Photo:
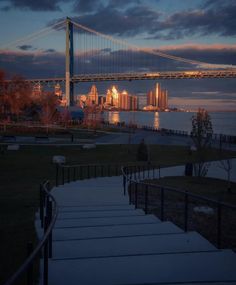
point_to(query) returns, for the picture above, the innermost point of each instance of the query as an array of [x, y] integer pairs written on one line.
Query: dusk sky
[[203, 30]]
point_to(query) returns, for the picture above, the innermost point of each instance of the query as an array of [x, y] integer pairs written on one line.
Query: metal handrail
[[72, 172], [173, 189], [129, 177], [43, 242]]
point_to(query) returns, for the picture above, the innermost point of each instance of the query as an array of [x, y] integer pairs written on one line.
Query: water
[[223, 122]]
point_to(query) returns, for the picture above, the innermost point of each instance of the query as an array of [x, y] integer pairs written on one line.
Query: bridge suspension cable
[[34, 36], [149, 51]]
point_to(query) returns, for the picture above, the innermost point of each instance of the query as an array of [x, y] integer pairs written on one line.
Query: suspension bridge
[[98, 57]]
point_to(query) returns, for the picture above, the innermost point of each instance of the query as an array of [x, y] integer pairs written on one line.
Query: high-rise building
[[150, 98], [157, 94], [57, 90], [112, 97], [115, 97], [124, 101], [109, 97], [37, 90], [133, 103], [163, 102], [158, 98], [93, 96]]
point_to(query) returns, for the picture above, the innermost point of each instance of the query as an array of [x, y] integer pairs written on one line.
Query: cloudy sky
[[203, 30]]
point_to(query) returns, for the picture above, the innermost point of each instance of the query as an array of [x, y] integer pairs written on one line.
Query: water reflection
[[114, 117], [156, 123]]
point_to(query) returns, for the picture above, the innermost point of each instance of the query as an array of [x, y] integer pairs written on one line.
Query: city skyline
[[200, 30]]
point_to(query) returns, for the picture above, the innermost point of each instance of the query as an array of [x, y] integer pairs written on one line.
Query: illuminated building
[[37, 90], [115, 97], [124, 101], [101, 100], [57, 90], [157, 98], [163, 100], [157, 94], [109, 97], [133, 103], [151, 98], [93, 96]]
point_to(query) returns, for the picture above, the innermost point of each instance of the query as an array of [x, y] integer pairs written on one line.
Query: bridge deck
[[199, 74]]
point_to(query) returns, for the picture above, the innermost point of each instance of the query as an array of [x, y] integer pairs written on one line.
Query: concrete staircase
[[100, 239]]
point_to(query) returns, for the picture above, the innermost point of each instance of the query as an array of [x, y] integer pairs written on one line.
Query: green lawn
[[203, 223], [22, 171]]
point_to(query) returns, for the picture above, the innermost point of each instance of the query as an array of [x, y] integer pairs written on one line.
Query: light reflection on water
[[156, 123], [223, 122], [114, 117]]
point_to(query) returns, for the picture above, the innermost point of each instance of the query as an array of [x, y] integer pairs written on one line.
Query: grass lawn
[[22, 171], [200, 221]]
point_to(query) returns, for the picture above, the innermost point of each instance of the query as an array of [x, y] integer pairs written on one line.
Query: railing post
[[30, 269], [63, 175], [130, 192], [57, 173], [136, 195], [219, 213], [49, 221], [186, 211], [102, 170], [159, 170], [45, 255], [74, 173], [124, 184], [95, 171], [88, 171], [41, 204], [68, 174], [146, 199], [108, 170], [162, 203]]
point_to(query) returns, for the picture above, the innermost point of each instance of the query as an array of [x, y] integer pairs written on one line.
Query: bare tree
[[48, 103], [226, 165], [201, 135]]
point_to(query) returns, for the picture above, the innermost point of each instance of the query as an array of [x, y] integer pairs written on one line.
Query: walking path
[[100, 239]]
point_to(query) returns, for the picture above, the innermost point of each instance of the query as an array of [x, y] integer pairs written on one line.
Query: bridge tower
[[69, 63]]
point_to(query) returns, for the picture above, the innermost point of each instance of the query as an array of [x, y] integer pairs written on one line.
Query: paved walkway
[[100, 239]]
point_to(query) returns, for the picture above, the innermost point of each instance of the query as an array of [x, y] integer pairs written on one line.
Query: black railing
[[67, 173], [166, 199], [48, 215]]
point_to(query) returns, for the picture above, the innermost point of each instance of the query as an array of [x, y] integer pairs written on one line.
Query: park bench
[[9, 138], [41, 138]]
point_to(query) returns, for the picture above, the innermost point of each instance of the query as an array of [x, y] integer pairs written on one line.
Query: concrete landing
[[99, 239]]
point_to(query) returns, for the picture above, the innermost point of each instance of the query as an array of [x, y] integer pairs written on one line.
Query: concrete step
[[129, 246], [97, 208], [99, 214], [115, 231], [219, 266], [94, 222]]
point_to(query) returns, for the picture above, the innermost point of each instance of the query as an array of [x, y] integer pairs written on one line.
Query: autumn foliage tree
[[15, 96], [48, 103]]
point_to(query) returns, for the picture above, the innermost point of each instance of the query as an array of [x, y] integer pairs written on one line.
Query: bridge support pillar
[[69, 63]]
